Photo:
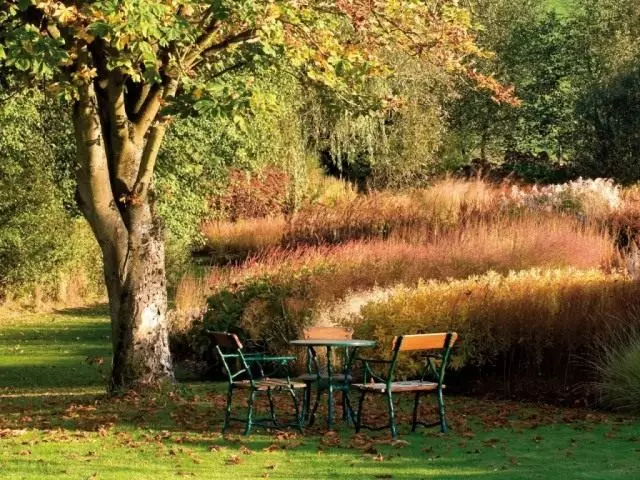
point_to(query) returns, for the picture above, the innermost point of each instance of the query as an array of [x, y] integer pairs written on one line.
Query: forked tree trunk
[[116, 156]]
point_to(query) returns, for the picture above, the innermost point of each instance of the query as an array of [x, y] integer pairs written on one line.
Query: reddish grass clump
[[511, 244]]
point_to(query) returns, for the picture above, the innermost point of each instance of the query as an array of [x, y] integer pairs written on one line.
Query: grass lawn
[[55, 423]]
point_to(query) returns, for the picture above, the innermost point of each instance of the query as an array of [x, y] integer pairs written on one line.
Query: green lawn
[[55, 423]]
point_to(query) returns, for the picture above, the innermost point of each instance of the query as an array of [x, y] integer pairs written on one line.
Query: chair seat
[[406, 386], [312, 377], [269, 383]]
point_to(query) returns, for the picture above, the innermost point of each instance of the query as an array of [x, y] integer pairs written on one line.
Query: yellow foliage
[[543, 316]]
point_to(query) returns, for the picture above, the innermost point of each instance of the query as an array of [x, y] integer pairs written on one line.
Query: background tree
[[127, 65]]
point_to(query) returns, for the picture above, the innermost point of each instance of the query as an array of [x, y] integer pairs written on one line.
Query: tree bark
[[114, 175], [140, 333]]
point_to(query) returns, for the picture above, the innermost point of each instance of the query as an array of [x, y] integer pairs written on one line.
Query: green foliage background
[[575, 66]]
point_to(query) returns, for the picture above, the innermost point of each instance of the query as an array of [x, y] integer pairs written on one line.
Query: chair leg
[[441, 413], [252, 397], [272, 410], [330, 406], [359, 414], [345, 415], [312, 416], [416, 405], [227, 411], [350, 414], [299, 414], [306, 402], [392, 416]]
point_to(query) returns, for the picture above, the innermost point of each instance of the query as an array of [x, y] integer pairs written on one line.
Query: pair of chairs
[[438, 347]]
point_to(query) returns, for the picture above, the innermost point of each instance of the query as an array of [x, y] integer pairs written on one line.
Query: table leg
[[330, 388], [347, 373]]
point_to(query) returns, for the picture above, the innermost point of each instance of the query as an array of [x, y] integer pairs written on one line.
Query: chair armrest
[[258, 357], [368, 372]]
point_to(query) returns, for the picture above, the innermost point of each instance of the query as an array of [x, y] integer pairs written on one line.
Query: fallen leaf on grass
[[360, 440], [285, 435], [491, 442], [232, 460], [330, 439]]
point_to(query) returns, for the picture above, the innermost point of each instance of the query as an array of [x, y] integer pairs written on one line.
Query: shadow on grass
[[67, 350], [182, 427], [93, 311]]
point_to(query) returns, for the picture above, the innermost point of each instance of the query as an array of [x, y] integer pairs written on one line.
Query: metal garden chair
[[230, 343], [431, 381], [316, 374]]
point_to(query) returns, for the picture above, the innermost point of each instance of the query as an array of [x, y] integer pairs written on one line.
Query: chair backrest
[[427, 341], [231, 342], [328, 333], [226, 340]]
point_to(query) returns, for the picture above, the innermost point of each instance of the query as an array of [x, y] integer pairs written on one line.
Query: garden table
[[352, 345]]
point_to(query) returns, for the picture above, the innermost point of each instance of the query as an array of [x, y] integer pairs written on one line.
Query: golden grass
[[535, 323], [349, 217], [236, 240]]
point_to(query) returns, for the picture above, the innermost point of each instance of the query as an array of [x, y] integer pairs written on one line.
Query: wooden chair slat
[[328, 333], [427, 341], [404, 386]]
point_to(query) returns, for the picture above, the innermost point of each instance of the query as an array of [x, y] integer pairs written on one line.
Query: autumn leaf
[[232, 460]]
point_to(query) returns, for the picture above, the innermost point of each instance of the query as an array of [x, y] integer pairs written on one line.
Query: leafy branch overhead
[[152, 47]]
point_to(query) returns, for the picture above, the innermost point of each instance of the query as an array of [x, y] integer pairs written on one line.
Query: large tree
[[128, 65]]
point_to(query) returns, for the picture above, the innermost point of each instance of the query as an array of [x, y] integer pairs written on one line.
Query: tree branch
[[152, 147], [94, 183], [148, 111], [244, 36]]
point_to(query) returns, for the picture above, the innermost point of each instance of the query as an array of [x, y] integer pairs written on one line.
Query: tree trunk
[[140, 334], [114, 175]]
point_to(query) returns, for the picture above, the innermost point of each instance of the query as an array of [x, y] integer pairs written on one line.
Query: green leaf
[[23, 64]]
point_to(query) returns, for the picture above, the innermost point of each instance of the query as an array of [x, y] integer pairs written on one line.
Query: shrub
[[525, 328], [253, 195], [47, 255], [592, 198], [617, 366]]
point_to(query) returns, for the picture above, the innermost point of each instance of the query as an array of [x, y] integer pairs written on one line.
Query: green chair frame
[[431, 380], [229, 342]]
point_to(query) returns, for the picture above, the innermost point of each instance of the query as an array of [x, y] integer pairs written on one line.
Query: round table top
[[322, 342]]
